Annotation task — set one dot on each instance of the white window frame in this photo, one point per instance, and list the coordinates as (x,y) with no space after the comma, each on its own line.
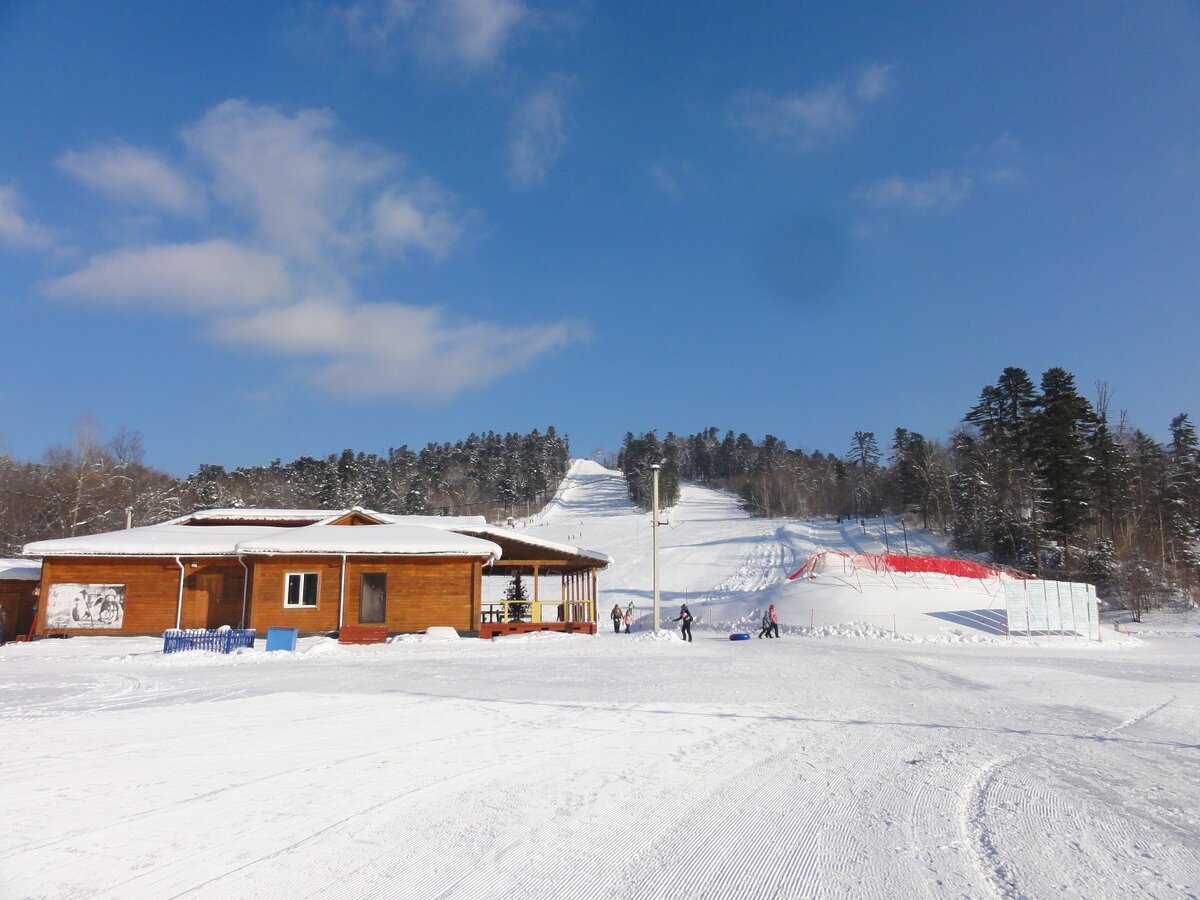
(302,576)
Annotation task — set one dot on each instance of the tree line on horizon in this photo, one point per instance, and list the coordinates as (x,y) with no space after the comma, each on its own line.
(1036,477)
(98,485)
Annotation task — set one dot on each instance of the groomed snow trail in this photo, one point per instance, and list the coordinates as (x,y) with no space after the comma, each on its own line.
(610,766)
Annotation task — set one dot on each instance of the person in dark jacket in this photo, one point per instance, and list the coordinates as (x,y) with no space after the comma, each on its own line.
(685,622)
(616,617)
(766,625)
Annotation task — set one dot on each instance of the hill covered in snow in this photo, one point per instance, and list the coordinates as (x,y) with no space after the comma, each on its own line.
(729,566)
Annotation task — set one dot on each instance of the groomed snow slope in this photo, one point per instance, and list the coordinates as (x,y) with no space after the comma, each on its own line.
(611,766)
(729,567)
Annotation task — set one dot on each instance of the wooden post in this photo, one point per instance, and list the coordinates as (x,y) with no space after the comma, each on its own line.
(537,606)
(476,595)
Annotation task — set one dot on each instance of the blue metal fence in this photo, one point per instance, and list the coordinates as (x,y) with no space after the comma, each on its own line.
(217,640)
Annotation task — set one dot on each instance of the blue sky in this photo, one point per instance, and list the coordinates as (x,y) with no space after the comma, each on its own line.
(258,230)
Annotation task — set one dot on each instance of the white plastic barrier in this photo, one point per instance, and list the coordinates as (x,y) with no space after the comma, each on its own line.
(1062,608)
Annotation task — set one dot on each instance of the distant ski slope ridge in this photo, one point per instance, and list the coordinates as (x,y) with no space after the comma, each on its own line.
(729,566)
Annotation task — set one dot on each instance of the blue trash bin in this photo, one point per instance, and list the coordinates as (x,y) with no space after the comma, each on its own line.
(282,639)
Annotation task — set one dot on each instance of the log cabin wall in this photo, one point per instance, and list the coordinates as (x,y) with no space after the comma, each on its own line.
(268,583)
(151,590)
(17,599)
(212,593)
(421,591)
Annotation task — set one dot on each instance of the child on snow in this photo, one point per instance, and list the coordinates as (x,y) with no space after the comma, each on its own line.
(770,623)
(685,620)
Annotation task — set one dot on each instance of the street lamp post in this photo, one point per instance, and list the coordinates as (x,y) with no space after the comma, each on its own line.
(654,468)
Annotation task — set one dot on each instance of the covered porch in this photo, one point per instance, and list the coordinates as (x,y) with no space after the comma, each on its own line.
(558,583)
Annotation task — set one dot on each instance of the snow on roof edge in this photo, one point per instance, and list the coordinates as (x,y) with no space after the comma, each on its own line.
(20,570)
(521,537)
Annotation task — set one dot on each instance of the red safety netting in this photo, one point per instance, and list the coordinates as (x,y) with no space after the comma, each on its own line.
(893,562)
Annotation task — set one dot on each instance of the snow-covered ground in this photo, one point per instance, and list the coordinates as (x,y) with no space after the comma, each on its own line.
(617,766)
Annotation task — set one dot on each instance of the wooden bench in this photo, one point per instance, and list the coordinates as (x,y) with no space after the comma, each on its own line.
(363,634)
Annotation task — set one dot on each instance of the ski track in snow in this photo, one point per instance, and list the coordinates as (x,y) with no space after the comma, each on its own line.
(1004,786)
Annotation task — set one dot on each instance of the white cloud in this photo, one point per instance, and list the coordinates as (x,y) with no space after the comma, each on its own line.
(184,278)
(15,229)
(673,176)
(537,136)
(288,175)
(474,31)
(310,210)
(876,81)
(817,116)
(319,201)
(939,192)
(393,350)
(373,24)
(1000,161)
(469,33)
(415,219)
(133,176)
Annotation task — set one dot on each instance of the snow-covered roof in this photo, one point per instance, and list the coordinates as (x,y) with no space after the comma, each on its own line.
(532,545)
(451,523)
(154,540)
(301,517)
(20,570)
(251,516)
(230,532)
(233,540)
(390,540)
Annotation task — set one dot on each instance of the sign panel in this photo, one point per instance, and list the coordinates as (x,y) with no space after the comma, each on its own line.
(85,606)
(1018,609)
(1051,608)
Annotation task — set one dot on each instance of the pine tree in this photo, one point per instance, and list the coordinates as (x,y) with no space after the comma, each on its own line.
(1061,434)
(1110,478)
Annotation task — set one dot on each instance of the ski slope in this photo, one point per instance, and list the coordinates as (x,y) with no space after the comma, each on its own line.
(553,766)
(729,566)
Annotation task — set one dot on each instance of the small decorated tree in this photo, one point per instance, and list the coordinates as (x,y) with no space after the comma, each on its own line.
(518,599)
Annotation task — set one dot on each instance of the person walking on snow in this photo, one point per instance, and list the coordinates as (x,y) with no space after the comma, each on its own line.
(773,619)
(685,622)
(766,625)
(628,619)
(616,617)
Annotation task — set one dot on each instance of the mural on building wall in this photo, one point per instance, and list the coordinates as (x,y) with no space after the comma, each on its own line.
(85,606)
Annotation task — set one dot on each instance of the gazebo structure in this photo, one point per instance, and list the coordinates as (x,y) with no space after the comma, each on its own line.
(537,559)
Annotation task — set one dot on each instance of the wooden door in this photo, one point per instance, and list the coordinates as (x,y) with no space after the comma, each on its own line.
(213,608)
(372,598)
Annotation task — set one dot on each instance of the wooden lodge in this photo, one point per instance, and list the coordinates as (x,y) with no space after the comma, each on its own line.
(315,570)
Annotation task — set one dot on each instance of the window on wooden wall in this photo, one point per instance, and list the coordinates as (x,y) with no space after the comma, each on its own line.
(301,589)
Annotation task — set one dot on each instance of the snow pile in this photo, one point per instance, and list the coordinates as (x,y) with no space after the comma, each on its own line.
(441,633)
(661,636)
